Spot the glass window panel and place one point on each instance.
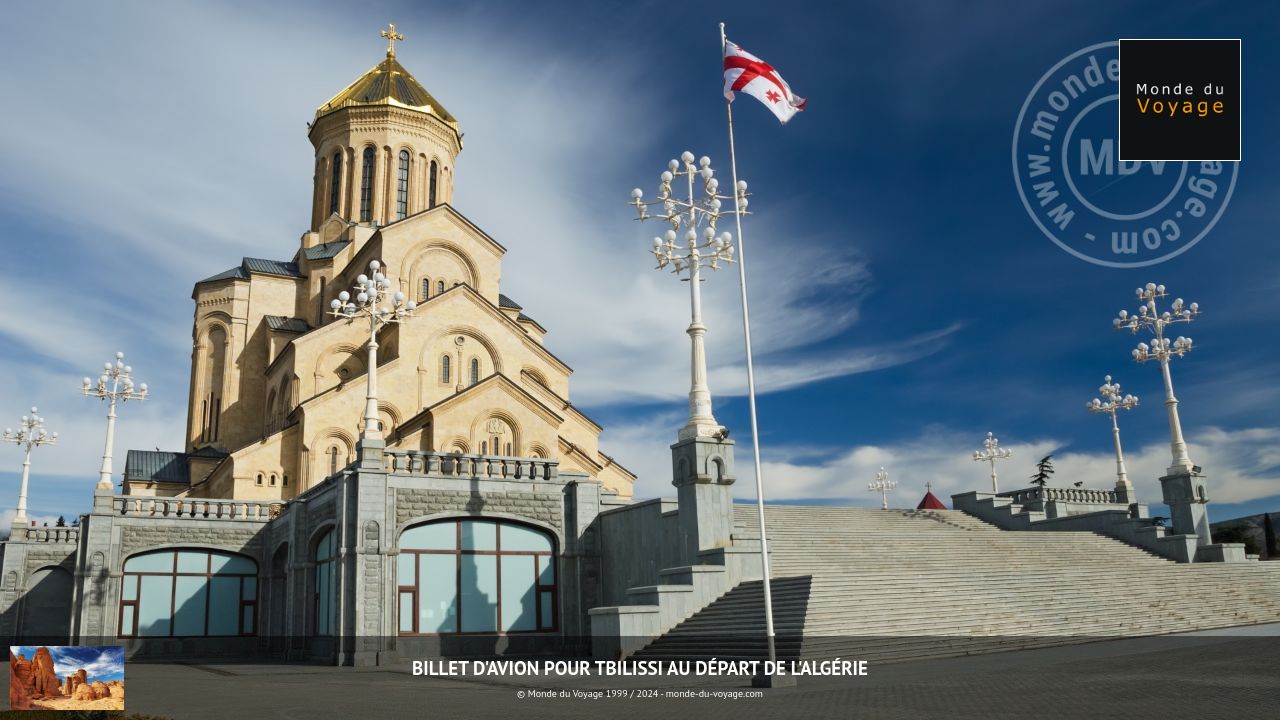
(193, 562)
(404, 568)
(435, 536)
(524, 539)
(324, 588)
(130, 587)
(155, 597)
(546, 570)
(189, 597)
(126, 621)
(406, 612)
(239, 564)
(438, 593)
(479, 535)
(548, 611)
(224, 605)
(150, 562)
(246, 624)
(479, 590)
(324, 548)
(250, 589)
(519, 603)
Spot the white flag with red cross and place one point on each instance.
(744, 72)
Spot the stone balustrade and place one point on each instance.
(70, 535)
(484, 467)
(198, 508)
(1082, 496)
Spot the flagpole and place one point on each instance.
(751, 377)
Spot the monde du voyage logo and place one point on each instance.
(1098, 207)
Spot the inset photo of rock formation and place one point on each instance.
(60, 677)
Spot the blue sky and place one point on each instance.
(101, 663)
(903, 301)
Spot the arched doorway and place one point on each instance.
(46, 607)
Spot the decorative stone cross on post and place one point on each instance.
(392, 36)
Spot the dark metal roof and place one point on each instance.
(271, 267)
(208, 451)
(235, 273)
(525, 318)
(324, 251)
(287, 324)
(156, 466)
(506, 302)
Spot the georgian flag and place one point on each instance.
(744, 72)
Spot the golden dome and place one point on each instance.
(388, 83)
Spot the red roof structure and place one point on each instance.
(930, 502)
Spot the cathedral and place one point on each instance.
(278, 384)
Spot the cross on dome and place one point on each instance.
(392, 36)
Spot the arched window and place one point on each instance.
(333, 459)
(476, 576)
(366, 186)
(323, 559)
(259, 480)
(484, 447)
(273, 479)
(188, 593)
(439, 286)
(335, 182)
(431, 185)
(475, 371)
(402, 186)
(444, 369)
(509, 453)
(426, 290)
(215, 362)
(284, 481)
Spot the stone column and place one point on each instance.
(372, 568)
(703, 475)
(1187, 497)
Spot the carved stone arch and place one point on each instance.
(481, 430)
(537, 450)
(318, 450)
(372, 536)
(536, 375)
(415, 268)
(391, 422)
(715, 468)
(459, 444)
(332, 361)
(557, 536)
(428, 357)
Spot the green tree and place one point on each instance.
(1044, 469)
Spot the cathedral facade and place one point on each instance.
(479, 518)
(278, 384)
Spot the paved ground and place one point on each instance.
(1207, 676)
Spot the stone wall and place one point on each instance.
(541, 506)
(134, 538)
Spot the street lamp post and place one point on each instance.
(30, 434)
(991, 452)
(371, 293)
(1161, 350)
(115, 383)
(1111, 402)
(703, 247)
(883, 485)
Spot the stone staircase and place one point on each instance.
(890, 585)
